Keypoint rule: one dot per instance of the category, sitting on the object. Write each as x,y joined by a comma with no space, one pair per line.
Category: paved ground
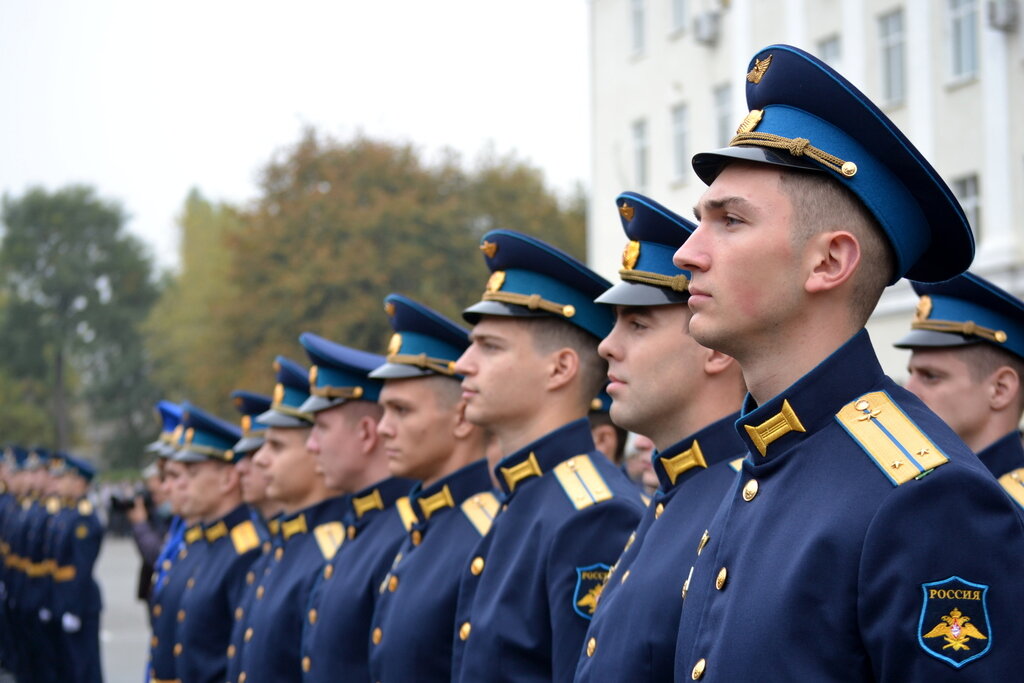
124,634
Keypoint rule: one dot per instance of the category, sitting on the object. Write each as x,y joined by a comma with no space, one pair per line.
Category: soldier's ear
832,260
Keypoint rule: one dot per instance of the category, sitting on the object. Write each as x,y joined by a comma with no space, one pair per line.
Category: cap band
422,360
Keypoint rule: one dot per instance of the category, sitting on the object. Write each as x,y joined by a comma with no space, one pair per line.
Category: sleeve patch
590,581
890,438
954,625
480,511
581,482
329,537
244,537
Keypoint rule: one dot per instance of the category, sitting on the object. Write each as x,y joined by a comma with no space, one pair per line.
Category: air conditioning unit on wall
1002,15
706,27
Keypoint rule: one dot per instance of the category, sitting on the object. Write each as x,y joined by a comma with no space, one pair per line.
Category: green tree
337,226
76,288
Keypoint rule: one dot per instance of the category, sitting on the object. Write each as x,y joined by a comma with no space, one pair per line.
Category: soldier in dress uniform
75,602
350,454
176,567
531,372
862,541
685,398
214,589
10,516
310,529
263,511
427,438
33,583
967,364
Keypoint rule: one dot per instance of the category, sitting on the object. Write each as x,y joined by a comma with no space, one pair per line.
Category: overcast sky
145,100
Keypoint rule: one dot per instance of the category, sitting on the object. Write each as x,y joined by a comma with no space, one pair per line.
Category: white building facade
667,80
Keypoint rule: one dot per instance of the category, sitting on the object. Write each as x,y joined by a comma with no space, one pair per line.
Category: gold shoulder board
244,537
581,482
890,438
53,506
1013,482
406,512
480,511
85,507
329,537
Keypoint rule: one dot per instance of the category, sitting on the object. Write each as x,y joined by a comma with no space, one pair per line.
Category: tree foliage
337,226
75,289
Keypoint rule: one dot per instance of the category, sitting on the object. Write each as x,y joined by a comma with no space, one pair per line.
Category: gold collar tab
371,501
290,527
524,470
440,500
687,460
774,428
218,530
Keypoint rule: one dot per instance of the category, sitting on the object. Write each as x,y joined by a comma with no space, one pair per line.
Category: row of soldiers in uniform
814,520
50,537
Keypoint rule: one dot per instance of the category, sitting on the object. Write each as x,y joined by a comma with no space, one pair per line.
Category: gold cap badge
750,121
626,211
924,308
489,248
496,280
394,344
760,67
278,393
630,254
389,309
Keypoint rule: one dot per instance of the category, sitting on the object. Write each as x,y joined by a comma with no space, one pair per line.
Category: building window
892,41
680,145
828,51
725,126
963,44
637,14
640,153
966,191
679,15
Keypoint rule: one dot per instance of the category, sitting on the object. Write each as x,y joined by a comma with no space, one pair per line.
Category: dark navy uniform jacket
524,607
166,601
274,623
862,541
633,634
413,625
77,537
270,539
1005,459
206,614
334,637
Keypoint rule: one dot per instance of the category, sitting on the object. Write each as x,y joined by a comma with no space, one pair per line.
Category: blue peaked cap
804,115
83,468
169,415
649,278
37,457
424,343
290,392
530,278
206,437
14,457
251,406
339,373
966,310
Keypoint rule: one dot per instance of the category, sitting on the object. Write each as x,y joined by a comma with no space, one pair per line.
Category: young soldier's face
203,488
746,277
654,368
418,426
253,481
942,379
504,374
290,468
